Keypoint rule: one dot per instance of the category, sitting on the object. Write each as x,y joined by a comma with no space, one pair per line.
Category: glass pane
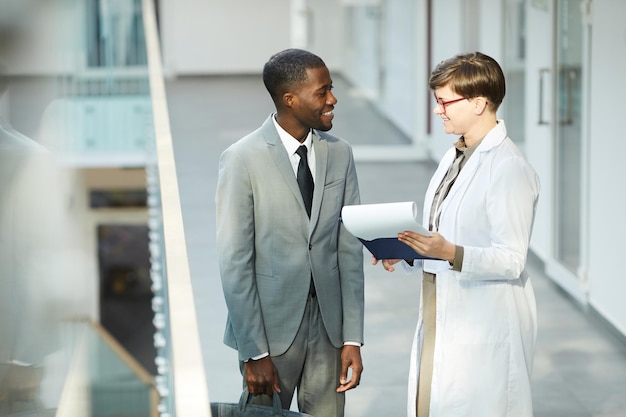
116,386
568,100
125,293
115,34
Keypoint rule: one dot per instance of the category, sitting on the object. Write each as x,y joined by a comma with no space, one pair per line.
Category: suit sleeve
351,266
235,244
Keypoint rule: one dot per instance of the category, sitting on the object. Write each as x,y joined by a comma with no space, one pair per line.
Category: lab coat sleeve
510,202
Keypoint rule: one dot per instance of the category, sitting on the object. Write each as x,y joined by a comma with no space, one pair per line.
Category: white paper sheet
373,221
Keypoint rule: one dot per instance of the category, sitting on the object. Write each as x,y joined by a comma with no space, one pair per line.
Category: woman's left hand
434,246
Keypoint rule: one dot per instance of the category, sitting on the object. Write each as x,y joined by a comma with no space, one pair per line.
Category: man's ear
288,99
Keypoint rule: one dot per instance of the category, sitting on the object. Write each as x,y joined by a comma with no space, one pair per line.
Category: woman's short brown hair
471,75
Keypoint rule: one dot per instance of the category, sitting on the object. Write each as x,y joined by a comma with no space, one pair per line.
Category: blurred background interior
113,114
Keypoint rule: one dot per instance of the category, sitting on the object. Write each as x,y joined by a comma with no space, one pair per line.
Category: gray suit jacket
268,249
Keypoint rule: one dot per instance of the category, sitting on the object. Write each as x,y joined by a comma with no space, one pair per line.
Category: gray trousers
312,366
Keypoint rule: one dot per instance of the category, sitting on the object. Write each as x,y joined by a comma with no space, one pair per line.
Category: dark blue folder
390,248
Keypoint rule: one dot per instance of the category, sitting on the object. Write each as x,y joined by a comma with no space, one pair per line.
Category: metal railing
184,378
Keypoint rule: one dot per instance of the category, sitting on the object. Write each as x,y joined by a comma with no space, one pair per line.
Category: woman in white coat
473,349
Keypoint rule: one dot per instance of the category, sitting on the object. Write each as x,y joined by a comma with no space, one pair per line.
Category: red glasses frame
442,104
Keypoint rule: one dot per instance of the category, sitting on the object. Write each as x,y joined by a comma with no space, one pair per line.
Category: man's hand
387,263
261,376
350,358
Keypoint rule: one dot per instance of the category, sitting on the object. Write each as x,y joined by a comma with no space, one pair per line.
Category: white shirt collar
292,144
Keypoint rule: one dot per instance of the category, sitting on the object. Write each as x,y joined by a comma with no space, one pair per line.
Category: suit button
310,247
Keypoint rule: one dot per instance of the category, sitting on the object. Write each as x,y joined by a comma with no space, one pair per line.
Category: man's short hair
287,69
471,75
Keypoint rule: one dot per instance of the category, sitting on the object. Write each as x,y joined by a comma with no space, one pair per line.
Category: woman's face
455,111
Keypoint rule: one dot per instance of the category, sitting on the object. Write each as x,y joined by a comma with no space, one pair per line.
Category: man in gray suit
293,281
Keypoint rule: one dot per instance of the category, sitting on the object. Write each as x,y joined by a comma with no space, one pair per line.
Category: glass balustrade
89,105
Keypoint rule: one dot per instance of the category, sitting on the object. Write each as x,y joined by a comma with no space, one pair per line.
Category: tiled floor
580,366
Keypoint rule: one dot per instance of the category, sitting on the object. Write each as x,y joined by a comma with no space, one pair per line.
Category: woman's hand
434,246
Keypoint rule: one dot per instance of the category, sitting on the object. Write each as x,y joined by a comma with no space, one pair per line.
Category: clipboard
377,227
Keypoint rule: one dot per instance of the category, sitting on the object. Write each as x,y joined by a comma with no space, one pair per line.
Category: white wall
222,37
490,23
424,101
326,31
400,62
381,57
607,220
537,145
447,40
361,65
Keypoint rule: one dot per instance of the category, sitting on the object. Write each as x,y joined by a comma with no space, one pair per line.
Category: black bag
246,409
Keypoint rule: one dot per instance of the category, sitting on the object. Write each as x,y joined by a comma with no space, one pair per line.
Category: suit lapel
321,162
281,159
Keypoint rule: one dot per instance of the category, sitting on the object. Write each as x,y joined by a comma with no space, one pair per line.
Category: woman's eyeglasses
442,104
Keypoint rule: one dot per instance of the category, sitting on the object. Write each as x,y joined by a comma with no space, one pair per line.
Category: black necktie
305,179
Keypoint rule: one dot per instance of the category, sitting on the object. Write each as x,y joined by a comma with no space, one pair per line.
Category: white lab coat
486,320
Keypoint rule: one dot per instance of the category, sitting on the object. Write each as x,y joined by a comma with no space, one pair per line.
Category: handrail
187,369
